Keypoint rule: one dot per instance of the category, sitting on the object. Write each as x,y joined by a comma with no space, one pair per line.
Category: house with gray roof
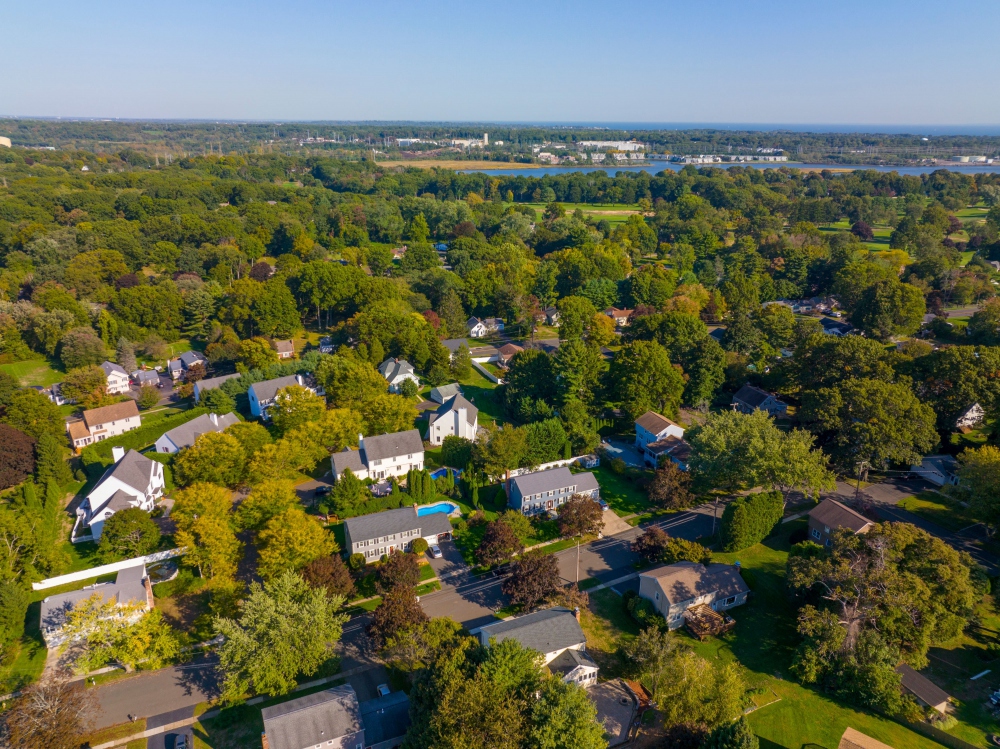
444,392
541,491
117,378
331,718
749,399
550,632
133,480
396,372
675,588
382,533
386,720
177,367
575,666
829,515
211,383
131,586
146,377
185,435
456,416
262,394
381,456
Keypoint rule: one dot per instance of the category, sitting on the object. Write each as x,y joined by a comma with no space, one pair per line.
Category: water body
658,166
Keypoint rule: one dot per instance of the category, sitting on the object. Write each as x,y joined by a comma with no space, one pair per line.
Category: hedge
749,520
98,456
642,611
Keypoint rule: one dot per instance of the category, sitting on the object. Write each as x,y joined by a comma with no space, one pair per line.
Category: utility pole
715,512
577,561
862,466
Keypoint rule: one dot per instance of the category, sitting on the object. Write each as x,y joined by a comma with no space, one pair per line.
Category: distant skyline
891,66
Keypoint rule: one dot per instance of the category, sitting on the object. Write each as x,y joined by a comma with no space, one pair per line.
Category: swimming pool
439,472
447,507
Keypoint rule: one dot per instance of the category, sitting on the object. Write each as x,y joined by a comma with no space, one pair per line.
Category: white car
435,551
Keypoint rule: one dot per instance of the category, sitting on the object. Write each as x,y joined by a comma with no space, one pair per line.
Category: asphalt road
961,312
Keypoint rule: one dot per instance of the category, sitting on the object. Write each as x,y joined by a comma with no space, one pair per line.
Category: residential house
675,449
101,423
382,533
925,691
718,334
185,435
940,470
835,327
493,324
475,328
651,427
856,740
331,718
326,345
829,515
211,383
386,720
507,352
117,378
556,634
396,372
177,367
285,349
444,392
675,588
55,394
454,344
381,456
133,480
749,399
971,417
455,416
552,316
141,377
131,586
262,394
541,491
620,316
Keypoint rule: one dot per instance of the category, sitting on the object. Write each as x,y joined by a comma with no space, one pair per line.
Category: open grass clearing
938,509
34,372
621,491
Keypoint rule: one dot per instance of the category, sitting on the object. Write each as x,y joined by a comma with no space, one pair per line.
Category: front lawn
938,509
480,392
34,372
621,491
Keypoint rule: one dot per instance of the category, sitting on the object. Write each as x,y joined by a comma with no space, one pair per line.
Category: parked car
323,490
435,551
603,504
180,741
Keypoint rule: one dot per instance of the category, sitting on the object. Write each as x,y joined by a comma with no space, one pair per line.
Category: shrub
641,610
356,562
149,396
617,466
14,600
749,520
418,546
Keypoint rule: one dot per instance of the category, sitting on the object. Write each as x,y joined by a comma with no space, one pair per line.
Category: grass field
35,372
624,497
938,509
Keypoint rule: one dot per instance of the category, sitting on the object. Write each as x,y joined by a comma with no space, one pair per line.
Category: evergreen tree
452,315
125,354
199,307
49,460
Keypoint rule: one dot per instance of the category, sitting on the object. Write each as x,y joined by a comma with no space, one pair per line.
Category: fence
107,569
486,373
587,461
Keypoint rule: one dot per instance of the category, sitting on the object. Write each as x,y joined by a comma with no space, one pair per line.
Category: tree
256,353
534,577
870,420
215,457
979,479
88,386
580,516
217,401
125,633
564,717
265,501
80,347
125,355
53,713
951,378
670,487
331,574
601,330
643,379
347,493
651,544
888,308
397,570
398,612
251,435
285,629
499,544
518,523
862,231
202,514
650,655
50,463
456,451
149,396
290,541
34,414
349,382
506,448
17,456
461,363
682,550
14,602
127,534
736,735
386,414
408,388
295,406
749,520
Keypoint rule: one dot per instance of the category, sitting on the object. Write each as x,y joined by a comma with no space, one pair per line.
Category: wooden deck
703,621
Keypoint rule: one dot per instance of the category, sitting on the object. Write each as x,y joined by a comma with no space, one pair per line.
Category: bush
356,562
418,545
14,600
617,466
80,475
642,611
749,520
149,396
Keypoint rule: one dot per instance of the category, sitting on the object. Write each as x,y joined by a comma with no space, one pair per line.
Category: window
826,528
378,462
815,533
657,596
730,601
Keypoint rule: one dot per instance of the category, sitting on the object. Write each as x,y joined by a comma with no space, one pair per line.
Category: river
658,166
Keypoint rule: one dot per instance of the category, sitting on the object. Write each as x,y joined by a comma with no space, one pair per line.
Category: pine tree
29,498
49,460
199,307
125,354
452,315
376,354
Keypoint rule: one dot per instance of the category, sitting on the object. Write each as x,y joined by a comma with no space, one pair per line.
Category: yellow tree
290,541
204,520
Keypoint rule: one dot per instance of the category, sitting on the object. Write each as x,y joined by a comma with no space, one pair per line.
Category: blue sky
880,62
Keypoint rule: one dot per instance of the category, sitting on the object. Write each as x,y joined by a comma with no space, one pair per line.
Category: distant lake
658,166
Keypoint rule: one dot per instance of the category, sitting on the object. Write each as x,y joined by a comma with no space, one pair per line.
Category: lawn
480,392
606,625
468,540
35,372
621,492
939,509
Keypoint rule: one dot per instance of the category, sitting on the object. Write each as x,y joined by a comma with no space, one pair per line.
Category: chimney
361,441
214,418
263,741
117,453
576,612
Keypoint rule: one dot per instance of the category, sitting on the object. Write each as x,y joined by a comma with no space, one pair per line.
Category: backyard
35,372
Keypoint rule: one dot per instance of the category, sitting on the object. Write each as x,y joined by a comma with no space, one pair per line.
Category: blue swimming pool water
447,507
439,472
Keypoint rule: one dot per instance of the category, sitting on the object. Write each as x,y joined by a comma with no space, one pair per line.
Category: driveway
624,449
307,489
451,562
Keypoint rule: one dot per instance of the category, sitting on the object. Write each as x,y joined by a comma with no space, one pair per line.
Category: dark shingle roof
146,376
384,446
385,718
752,396
390,369
313,719
454,344
347,459
552,479
110,367
546,631
133,469
388,522
569,659
922,688
127,588
454,403
267,389
213,382
444,392
185,435
832,513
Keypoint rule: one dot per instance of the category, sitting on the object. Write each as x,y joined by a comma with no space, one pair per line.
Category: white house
381,456
444,392
117,378
262,394
210,383
475,328
132,481
150,377
675,588
620,316
396,372
971,417
651,427
284,349
455,416
177,367
185,435
940,470
101,423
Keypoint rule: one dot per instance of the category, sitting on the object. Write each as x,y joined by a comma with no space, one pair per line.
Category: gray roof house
132,481
444,392
210,383
381,533
184,436
386,720
396,372
146,377
454,344
381,456
749,399
117,378
328,718
262,394
130,586
549,631
184,362
537,492
675,588
456,416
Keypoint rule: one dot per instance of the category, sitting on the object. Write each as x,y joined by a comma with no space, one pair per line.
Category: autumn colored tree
290,541
670,487
580,516
331,574
17,456
399,612
499,544
398,570
534,577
